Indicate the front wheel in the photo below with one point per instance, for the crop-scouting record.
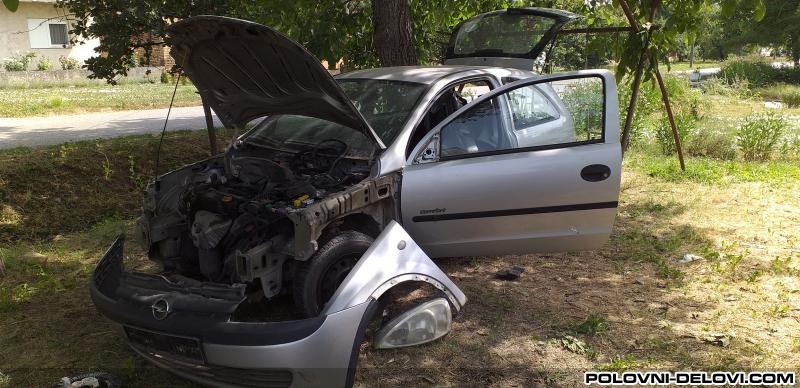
(317, 279)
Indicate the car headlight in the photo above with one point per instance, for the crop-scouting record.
(424, 323)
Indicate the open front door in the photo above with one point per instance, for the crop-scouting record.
(513, 37)
(533, 166)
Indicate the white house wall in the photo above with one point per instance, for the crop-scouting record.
(15, 37)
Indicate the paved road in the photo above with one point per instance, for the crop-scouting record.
(33, 131)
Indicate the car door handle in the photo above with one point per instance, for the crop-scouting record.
(595, 172)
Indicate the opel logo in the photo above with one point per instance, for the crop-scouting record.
(160, 309)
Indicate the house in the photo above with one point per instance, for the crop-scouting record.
(41, 27)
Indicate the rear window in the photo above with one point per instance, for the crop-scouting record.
(501, 33)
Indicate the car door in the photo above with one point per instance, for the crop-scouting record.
(533, 166)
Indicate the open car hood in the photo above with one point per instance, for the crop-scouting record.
(513, 37)
(244, 71)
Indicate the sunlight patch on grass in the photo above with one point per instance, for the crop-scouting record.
(16, 102)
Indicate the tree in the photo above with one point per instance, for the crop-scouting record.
(366, 33)
(779, 28)
(11, 5)
(392, 32)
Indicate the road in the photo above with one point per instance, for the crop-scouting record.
(35, 131)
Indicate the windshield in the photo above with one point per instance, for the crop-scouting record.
(385, 105)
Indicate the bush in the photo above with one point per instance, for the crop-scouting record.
(788, 94)
(19, 62)
(754, 70)
(44, 64)
(757, 72)
(718, 86)
(792, 100)
(68, 63)
(711, 144)
(687, 125)
(13, 64)
(759, 135)
(687, 104)
(166, 77)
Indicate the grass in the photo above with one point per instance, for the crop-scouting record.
(629, 305)
(24, 102)
(684, 66)
(788, 94)
(47, 191)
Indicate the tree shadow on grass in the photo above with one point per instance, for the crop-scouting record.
(526, 333)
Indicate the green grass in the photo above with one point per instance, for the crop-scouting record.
(23, 102)
(713, 171)
(786, 93)
(46, 191)
(684, 66)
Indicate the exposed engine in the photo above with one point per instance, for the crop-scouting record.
(224, 220)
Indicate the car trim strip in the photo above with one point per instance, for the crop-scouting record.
(516, 212)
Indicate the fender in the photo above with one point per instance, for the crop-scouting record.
(392, 259)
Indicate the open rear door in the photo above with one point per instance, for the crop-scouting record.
(513, 37)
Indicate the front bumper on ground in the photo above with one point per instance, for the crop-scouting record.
(187, 328)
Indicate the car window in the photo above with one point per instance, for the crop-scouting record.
(511, 34)
(447, 103)
(480, 129)
(564, 113)
(530, 107)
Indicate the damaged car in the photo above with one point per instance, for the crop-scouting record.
(342, 189)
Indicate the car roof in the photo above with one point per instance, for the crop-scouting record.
(427, 74)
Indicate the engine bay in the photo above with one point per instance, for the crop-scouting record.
(226, 219)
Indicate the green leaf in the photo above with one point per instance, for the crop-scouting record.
(728, 7)
(11, 5)
(759, 11)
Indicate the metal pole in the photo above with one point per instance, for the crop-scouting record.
(212, 132)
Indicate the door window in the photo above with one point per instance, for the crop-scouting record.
(563, 112)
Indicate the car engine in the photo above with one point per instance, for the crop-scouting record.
(225, 219)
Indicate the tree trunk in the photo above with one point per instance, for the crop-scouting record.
(391, 23)
(795, 49)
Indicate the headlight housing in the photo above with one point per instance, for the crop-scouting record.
(423, 323)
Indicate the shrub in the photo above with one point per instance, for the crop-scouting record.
(792, 99)
(68, 63)
(711, 144)
(759, 135)
(166, 77)
(687, 125)
(686, 102)
(19, 62)
(13, 64)
(44, 64)
(755, 70)
(718, 86)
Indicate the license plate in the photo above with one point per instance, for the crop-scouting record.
(183, 347)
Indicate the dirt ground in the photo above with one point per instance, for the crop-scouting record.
(631, 305)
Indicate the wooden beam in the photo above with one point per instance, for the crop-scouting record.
(664, 96)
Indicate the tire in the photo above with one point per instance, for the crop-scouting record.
(316, 279)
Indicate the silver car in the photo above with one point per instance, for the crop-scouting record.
(341, 190)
